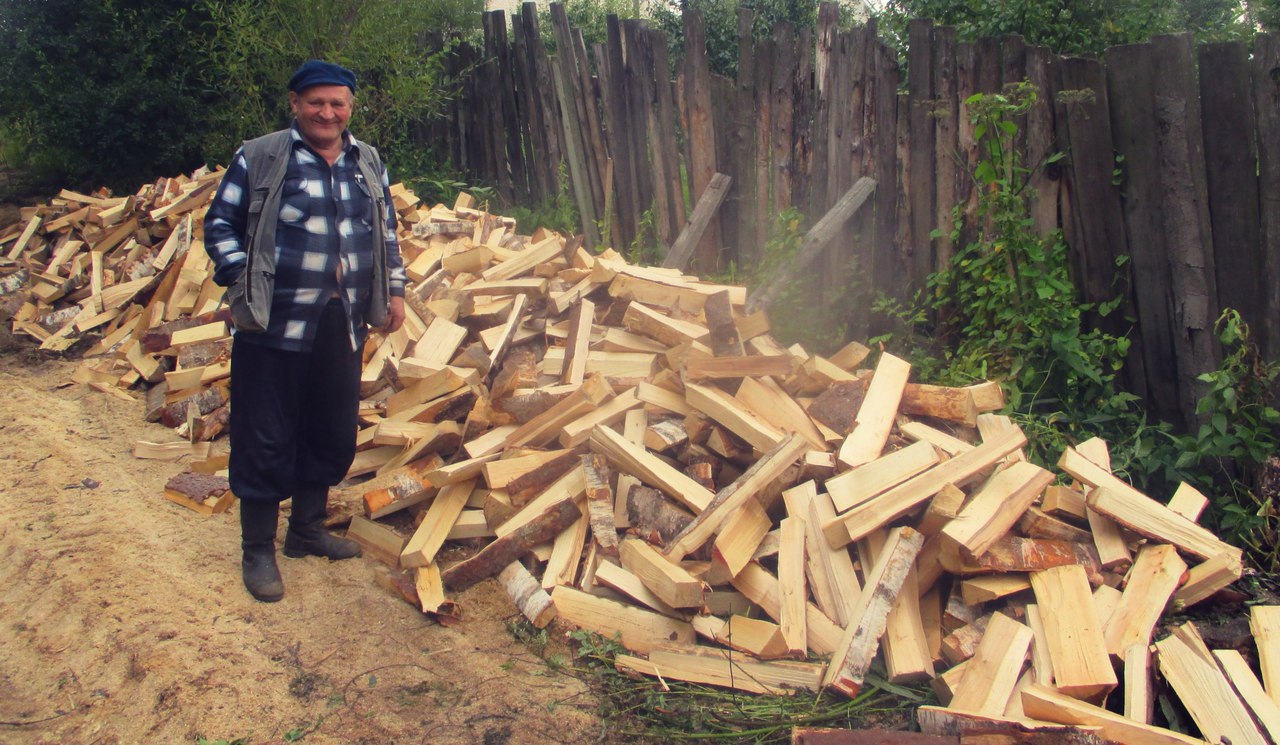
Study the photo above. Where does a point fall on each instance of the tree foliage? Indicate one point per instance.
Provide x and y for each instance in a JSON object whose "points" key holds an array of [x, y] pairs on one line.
{"points": [[257, 45], [101, 93], [1075, 26], [118, 92]]}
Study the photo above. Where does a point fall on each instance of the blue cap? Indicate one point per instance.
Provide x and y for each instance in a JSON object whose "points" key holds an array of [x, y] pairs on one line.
{"points": [[319, 72]]}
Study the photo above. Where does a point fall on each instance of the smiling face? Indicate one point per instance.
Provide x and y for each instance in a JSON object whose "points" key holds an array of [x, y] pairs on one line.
{"points": [[322, 112]]}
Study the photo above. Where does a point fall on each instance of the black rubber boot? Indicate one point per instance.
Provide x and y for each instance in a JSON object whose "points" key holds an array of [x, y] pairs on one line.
{"points": [[306, 535], [258, 543]]}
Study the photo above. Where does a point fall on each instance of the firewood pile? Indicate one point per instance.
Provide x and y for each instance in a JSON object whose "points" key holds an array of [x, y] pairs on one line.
{"points": [[640, 458]]}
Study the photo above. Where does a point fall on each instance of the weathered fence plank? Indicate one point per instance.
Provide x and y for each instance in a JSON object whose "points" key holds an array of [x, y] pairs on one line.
{"points": [[618, 124], [1131, 72], [1266, 105], [700, 139], [921, 166], [1045, 178], [1193, 198], [563, 70], [1232, 166], [946, 141], [1180, 149]]}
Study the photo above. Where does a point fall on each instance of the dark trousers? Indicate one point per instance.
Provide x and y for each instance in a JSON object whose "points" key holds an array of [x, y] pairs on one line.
{"points": [[293, 414]]}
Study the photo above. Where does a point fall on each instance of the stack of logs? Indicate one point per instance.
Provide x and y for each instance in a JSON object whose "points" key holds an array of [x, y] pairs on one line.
{"points": [[642, 459]]}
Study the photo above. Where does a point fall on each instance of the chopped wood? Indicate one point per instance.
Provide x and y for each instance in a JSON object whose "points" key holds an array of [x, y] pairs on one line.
{"points": [[791, 579], [1081, 666], [1113, 550], [849, 666], [995, 508], [1155, 575], [377, 540], [768, 401], [650, 514], [641, 631], [735, 495], [1250, 690], [855, 486], [1139, 699], [1046, 704], [637, 461], [905, 497], [1264, 622], [676, 587], [600, 502], [830, 570], [540, 364], [618, 578], [837, 406], [740, 535], [761, 588], [718, 667], [978, 728], [203, 493], [876, 415], [566, 553], [726, 410], [992, 672], [444, 511], [940, 402], [978, 590], [1138, 512], [1207, 694], [724, 338], [1037, 523], [170, 451], [506, 549]]}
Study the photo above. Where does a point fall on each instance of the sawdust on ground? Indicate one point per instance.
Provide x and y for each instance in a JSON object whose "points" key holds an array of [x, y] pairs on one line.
{"points": [[123, 619]]}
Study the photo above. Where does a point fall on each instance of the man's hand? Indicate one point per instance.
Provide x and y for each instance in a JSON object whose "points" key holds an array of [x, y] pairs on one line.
{"points": [[395, 315]]}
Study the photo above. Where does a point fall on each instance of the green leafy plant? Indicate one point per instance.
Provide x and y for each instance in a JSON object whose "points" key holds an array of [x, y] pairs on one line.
{"points": [[1006, 306], [1240, 432], [558, 213]]}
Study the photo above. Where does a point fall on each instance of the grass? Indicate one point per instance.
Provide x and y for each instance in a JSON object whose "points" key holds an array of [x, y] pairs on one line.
{"points": [[649, 710]]}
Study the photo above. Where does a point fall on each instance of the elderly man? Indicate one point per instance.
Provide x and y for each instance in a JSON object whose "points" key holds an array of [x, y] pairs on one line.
{"points": [[302, 235]]}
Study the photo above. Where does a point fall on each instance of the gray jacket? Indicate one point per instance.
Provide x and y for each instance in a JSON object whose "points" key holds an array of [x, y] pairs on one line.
{"points": [[250, 296]]}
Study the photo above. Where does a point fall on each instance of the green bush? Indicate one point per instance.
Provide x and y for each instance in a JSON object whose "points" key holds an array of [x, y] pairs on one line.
{"points": [[101, 93]]}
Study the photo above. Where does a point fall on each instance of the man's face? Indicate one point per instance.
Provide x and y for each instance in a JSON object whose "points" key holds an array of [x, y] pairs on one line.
{"points": [[322, 112]]}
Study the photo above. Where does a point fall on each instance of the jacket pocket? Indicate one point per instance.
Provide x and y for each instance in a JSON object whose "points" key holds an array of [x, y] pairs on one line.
{"points": [[247, 317]]}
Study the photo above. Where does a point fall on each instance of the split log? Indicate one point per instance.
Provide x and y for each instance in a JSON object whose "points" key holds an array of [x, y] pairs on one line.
{"points": [[527, 594], [640, 630], [200, 492], [849, 666], [1081, 666], [497, 555]]}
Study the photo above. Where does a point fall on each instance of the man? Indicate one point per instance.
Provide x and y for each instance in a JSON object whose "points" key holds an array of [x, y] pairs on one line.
{"points": [[302, 235]]}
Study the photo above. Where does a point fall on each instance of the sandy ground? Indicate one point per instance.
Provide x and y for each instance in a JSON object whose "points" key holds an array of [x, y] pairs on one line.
{"points": [[124, 619]]}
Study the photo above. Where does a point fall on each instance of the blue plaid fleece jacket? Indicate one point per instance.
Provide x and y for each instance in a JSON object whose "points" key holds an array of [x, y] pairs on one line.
{"points": [[323, 246]]}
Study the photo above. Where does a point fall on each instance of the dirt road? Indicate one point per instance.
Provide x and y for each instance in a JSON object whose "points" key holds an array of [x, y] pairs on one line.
{"points": [[124, 620]]}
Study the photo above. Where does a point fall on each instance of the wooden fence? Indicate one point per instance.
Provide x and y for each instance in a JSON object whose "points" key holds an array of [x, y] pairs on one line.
{"points": [[1173, 160]]}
